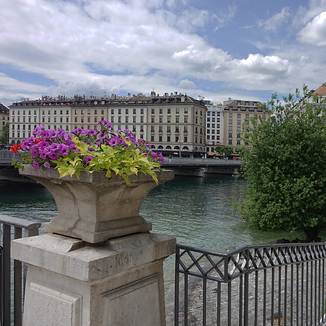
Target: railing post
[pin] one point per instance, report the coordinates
(18, 297)
(6, 276)
(176, 287)
(6, 305)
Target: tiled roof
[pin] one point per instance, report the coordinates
(321, 90)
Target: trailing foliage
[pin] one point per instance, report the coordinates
(285, 166)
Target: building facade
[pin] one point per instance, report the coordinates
(214, 126)
(235, 114)
(174, 124)
(4, 117)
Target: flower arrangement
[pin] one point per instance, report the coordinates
(88, 150)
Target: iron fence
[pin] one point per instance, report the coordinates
(254, 285)
(12, 271)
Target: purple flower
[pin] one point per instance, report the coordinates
(53, 155)
(34, 152)
(92, 132)
(64, 150)
(51, 133)
(88, 158)
(46, 165)
(105, 123)
(42, 155)
(36, 165)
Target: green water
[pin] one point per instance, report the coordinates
(196, 211)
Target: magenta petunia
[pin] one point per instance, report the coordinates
(36, 165)
(88, 158)
(53, 155)
(46, 165)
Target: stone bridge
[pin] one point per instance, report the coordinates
(192, 167)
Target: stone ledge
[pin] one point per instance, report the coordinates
(86, 262)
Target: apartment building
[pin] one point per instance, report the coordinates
(235, 113)
(175, 124)
(4, 116)
(214, 126)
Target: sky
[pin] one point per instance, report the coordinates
(217, 49)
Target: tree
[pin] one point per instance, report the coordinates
(5, 134)
(285, 167)
(224, 150)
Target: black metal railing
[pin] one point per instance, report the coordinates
(12, 271)
(253, 285)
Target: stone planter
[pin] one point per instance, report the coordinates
(95, 208)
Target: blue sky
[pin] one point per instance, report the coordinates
(244, 49)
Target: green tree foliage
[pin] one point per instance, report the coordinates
(224, 150)
(285, 167)
(5, 134)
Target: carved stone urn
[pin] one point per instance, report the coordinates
(96, 208)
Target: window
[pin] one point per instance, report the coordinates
(186, 110)
(185, 119)
(161, 111)
(127, 111)
(230, 122)
(230, 115)
(169, 118)
(177, 118)
(177, 110)
(169, 110)
(134, 111)
(152, 119)
(161, 119)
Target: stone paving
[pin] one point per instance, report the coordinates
(300, 297)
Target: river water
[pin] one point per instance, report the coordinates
(196, 211)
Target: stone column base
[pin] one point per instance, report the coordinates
(70, 282)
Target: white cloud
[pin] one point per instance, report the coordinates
(225, 17)
(98, 45)
(273, 23)
(12, 84)
(186, 84)
(315, 31)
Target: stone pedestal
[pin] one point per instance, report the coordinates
(71, 282)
